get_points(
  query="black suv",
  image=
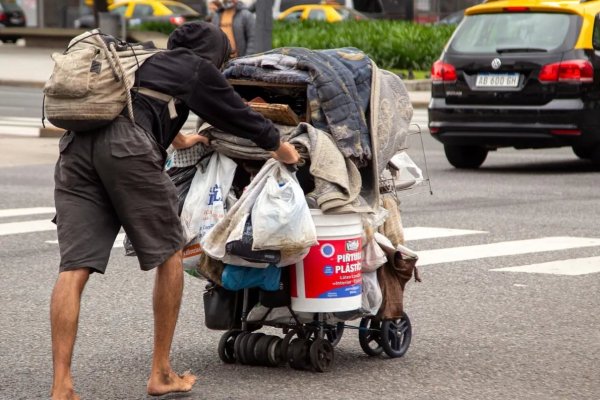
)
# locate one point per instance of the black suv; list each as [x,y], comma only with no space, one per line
[523,74]
[11,14]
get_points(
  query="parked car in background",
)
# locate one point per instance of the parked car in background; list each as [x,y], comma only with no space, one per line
[320,12]
[136,12]
[11,15]
[522,74]
[453,18]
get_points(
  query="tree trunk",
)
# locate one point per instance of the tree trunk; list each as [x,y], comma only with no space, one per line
[99,6]
[263,29]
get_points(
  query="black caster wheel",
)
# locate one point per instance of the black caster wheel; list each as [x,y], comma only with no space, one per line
[261,350]
[226,346]
[321,355]
[369,336]
[285,343]
[274,353]
[239,345]
[334,335]
[396,336]
[249,346]
[299,353]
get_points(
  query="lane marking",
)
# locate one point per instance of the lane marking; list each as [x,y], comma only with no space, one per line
[19,131]
[118,241]
[574,266]
[465,253]
[421,232]
[17,212]
[14,228]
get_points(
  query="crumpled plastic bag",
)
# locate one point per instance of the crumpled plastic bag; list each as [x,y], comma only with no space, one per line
[284,217]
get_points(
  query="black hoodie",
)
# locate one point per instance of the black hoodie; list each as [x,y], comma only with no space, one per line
[189,71]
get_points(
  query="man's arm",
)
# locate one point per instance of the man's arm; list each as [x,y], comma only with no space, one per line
[183,141]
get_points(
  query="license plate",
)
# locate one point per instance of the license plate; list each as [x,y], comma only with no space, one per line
[497,80]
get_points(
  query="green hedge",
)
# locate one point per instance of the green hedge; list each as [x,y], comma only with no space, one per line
[391,44]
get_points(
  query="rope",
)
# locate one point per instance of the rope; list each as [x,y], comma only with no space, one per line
[125,82]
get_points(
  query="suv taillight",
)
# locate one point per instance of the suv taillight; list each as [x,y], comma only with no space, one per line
[2,16]
[576,71]
[443,72]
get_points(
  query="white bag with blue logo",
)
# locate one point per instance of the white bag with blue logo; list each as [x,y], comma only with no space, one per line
[204,205]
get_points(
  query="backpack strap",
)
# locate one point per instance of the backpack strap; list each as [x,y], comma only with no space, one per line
[170,100]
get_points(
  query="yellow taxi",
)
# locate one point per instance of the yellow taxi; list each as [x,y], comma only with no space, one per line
[320,12]
[139,11]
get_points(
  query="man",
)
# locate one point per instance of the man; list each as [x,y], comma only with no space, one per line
[238,24]
[113,177]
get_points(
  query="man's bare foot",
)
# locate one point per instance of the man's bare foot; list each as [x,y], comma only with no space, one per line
[67,394]
[171,383]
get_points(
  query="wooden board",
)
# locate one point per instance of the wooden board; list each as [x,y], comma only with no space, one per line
[278,113]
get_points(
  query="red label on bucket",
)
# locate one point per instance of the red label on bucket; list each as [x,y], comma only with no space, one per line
[332,269]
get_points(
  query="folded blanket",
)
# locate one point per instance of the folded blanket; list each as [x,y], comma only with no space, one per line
[337,179]
[338,89]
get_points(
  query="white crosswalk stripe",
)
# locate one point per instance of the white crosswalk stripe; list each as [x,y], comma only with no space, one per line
[574,266]
[465,253]
[442,256]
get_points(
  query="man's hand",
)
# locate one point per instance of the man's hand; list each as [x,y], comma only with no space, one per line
[286,153]
[183,141]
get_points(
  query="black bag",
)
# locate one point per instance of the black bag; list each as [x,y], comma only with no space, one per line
[222,307]
[278,298]
[243,248]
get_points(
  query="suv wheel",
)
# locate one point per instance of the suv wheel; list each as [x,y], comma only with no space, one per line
[583,152]
[468,157]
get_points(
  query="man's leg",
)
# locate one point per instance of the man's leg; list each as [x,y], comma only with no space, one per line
[168,290]
[64,317]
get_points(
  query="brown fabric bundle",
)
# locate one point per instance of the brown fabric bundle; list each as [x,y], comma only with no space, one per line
[393,277]
[210,268]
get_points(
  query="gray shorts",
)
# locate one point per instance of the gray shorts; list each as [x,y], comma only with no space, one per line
[106,179]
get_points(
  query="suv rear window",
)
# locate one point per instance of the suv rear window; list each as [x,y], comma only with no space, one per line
[505,32]
[9,5]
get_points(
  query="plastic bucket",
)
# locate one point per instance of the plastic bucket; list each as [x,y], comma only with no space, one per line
[329,278]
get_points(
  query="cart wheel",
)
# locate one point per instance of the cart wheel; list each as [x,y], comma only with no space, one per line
[239,346]
[274,353]
[226,346]
[396,335]
[286,343]
[369,336]
[321,355]
[335,335]
[261,349]
[249,347]
[298,351]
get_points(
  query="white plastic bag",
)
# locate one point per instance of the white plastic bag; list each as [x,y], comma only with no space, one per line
[372,296]
[282,219]
[204,205]
[373,256]
[409,173]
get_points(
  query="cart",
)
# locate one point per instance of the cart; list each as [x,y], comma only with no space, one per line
[307,340]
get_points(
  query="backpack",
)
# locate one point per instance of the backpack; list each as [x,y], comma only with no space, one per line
[92,82]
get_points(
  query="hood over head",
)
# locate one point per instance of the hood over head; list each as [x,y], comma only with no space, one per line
[203,38]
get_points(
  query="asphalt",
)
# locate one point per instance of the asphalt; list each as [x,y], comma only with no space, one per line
[23,66]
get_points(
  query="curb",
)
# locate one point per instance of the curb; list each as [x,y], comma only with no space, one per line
[21,83]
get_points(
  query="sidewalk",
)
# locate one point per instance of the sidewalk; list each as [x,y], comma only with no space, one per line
[23,66]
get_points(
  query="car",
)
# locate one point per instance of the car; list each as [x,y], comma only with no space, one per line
[453,18]
[522,74]
[320,12]
[136,12]
[11,15]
